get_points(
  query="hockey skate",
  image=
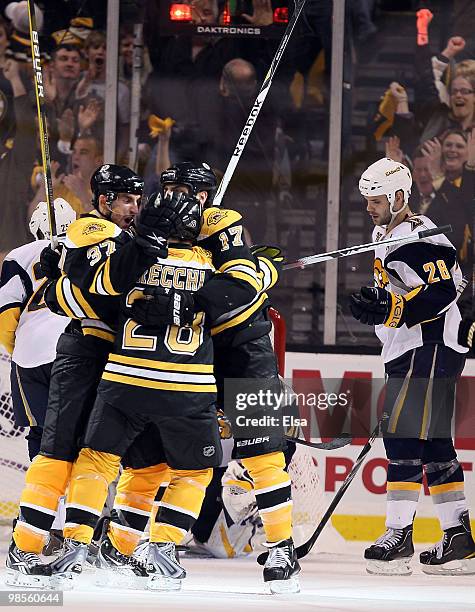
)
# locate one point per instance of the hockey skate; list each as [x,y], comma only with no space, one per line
[117,569]
[67,567]
[26,569]
[454,554]
[391,554]
[165,572]
[282,567]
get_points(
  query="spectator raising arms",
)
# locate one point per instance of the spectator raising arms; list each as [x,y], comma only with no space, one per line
[452,165]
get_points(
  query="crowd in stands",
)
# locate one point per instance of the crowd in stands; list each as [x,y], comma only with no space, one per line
[435,135]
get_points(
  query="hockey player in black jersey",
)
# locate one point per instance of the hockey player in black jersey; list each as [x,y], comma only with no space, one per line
[81,355]
[413,307]
[242,349]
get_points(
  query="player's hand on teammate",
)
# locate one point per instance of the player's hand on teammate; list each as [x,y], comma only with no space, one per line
[49,263]
[371,306]
[466,332]
[161,307]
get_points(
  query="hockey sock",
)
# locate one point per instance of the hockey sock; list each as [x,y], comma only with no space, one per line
[446,486]
[45,482]
[180,505]
[91,476]
[133,504]
[403,488]
[158,498]
[273,494]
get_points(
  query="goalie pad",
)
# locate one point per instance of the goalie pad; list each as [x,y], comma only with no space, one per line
[238,527]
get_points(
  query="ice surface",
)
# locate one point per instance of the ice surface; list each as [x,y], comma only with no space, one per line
[329,583]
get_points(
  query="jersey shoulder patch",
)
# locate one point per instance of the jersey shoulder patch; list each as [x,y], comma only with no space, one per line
[90,230]
[216,219]
[415,222]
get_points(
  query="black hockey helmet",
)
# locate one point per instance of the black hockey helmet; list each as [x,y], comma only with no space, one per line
[110,180]
[198,177]
[185,211]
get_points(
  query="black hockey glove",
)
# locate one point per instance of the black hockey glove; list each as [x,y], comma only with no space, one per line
[376,306]
[466,333]
[161,307]
[49,262]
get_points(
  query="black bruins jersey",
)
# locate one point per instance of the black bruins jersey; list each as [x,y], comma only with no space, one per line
[222,235]
[101,261]
[150,368]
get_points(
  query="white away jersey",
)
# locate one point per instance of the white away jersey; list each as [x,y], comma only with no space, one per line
[28,329]
[426,272]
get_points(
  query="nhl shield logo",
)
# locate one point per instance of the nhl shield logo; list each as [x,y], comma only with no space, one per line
[208,451]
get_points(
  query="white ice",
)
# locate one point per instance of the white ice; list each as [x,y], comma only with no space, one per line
[329,583]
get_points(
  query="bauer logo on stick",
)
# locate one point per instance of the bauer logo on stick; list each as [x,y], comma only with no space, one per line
[37,64]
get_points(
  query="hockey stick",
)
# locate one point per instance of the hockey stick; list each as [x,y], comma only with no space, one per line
[255,110]
[334,444]
[40,106]
[305,548]
[369,246]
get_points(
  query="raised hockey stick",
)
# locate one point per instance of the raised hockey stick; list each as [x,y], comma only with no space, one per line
[40,106]
[369,246]
[255,110]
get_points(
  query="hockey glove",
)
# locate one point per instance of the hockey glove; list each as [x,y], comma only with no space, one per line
[376,306]
[49,262]
[161,307]
[466,333]
[270,252]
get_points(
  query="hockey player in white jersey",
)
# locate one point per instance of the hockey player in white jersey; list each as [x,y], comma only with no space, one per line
[413,307]
[29,331]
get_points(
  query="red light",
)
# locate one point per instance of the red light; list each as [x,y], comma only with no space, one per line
[281,15]
[180,12]
[226,18]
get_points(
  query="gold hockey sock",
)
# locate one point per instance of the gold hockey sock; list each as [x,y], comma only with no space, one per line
[45,482]
[273,494]
[133,503]
[180,505]
[91,476]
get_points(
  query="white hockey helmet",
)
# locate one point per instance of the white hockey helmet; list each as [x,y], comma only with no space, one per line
[386,177]
[39,224]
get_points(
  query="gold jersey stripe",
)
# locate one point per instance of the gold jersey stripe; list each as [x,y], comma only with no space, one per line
[240,318]
[83,303]
[238,262]
[106,279]
[246,277]
[153,384]
[162,365]
[62,298]
[99,333]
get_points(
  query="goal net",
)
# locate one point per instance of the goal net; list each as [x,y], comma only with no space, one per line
[14,459]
